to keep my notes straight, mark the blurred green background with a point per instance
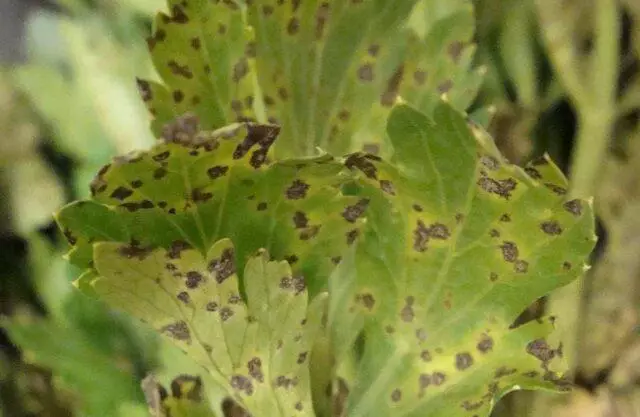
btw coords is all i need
(562, 77)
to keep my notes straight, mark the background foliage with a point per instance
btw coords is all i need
(559, 77)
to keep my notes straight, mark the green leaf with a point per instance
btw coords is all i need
(475, 241)
(199, 187)
(258, 350)
(201, 50)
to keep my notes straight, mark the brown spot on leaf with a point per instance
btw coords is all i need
(178, 330)
(396, 395)
(521, 266)
(352, 213)
(455, 50)
(240, 69)
(225, 313)
(407, 314)
(365, 73)
(297, 190)
(217, 171)
(184, 297)
(144, 89)
(196, 43)
(134, 251)
(533, 173)
(255, 369)
(367, 300)
(283, 94)
(261, 135)
(541, 350)
(422, 234)
(503, 188)
(556, 188)
(493, 277)
(176, 247)
(302, 357)
(70, 237)
(574, 207)
(504, 371)
(509, 251)
(551, 227)
(469, 406)
(463, 361)
(344, 115)
(212, 306)
(420, 77)
(194, 278)
(197, 195)
(293, 26)
(160, 173)
(224, 266)
(438, 378)
(390, 94)
(136, 184)
(490, 162)
(361, 162)
(566, 265)
(494, 233)
(387, 187)
(505, 218)
(425, 355)
(445, 86)
(485, 344)
(300, 220)
(242, 383)
(121, 193)
(262, 206)
(352, 235)
(180, 70)
(322, 15)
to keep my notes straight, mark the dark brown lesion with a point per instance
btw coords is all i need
(224, 266)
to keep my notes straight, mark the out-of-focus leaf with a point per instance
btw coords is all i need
(201, 51)
(330, 71)
(475, 241)
(517, 42)
(328, 82)
(34, 194)
(258, 350)
(199, 187)
(91, 352)
(85, 88)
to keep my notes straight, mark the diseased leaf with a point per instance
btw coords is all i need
(258, 349)
(475, 241)
(198, 187)
(330, 71)
(202, 51)
(328, 82)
